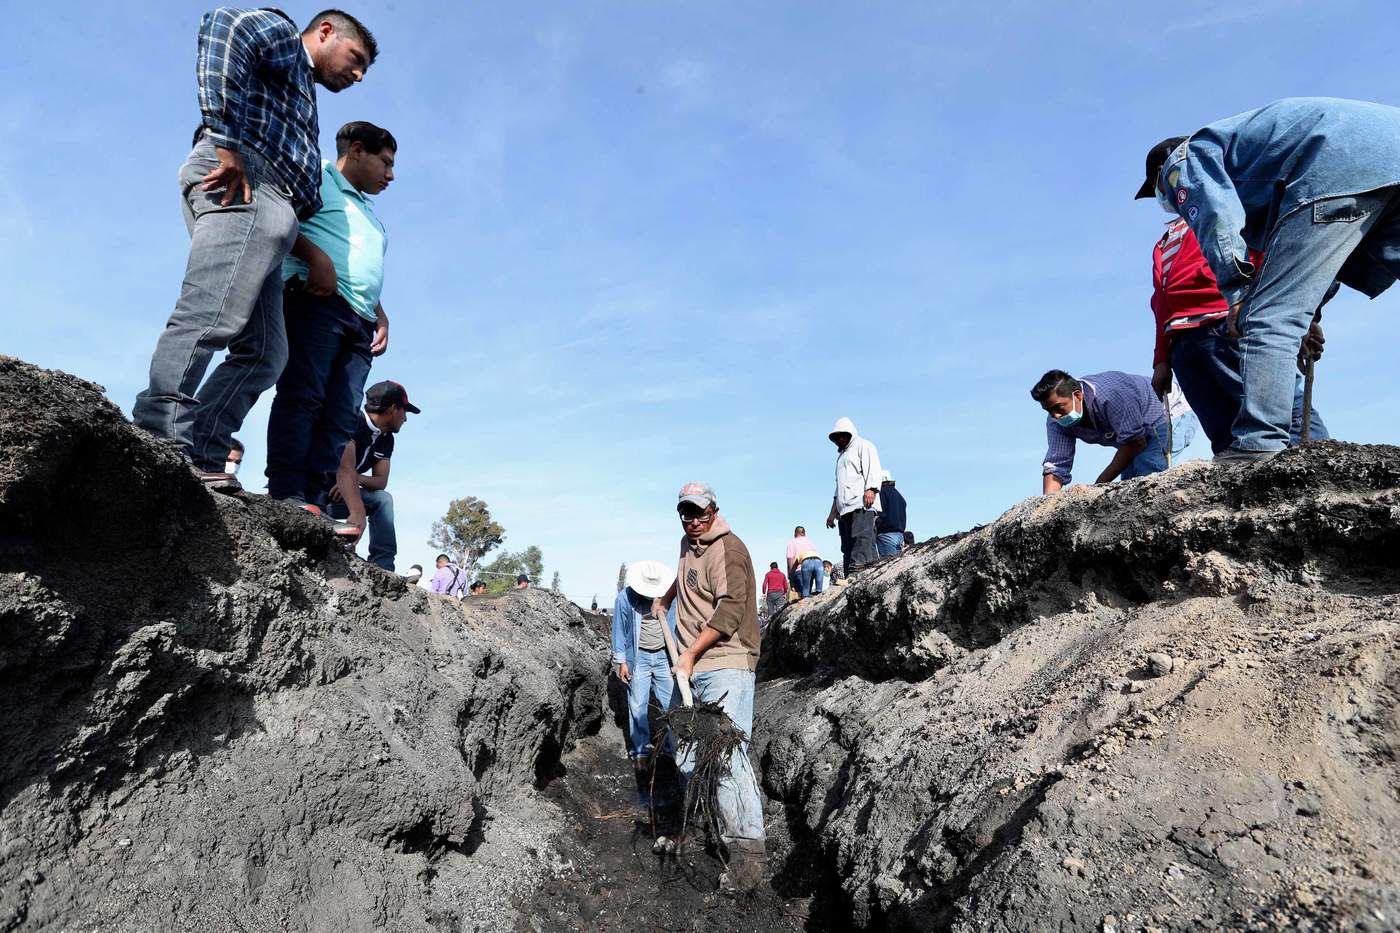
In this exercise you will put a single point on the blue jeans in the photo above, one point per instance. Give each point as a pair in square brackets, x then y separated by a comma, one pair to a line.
[379, 512]
[1305, 252]
[652, 673]
[889, 542]
[740, 806]
[231, 300]
[811, 577]
[317, 406]
[1206, 363]
[1153, 458]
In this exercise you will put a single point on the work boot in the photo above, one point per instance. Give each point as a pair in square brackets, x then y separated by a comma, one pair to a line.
[1237, 455]
[747, 866]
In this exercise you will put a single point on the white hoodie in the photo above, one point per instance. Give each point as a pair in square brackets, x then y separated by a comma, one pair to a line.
[857, 469]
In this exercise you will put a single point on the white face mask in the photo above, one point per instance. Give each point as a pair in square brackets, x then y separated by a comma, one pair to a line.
[231, 467]
[1165, 202]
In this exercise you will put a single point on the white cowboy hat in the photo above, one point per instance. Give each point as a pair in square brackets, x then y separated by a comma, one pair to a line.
[649, 578]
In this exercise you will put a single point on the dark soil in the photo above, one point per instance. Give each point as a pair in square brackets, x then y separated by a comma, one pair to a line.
[616, 883]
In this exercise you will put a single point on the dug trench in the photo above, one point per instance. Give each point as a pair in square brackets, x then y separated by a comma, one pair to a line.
[1170, 704]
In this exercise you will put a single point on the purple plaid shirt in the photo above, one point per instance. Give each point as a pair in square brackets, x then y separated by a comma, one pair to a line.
[1118, 408]
[257, 91]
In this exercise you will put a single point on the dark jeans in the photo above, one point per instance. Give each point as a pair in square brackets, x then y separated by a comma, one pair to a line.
[379, 512]
[317, 406]
[857, 538]
[1206, 363]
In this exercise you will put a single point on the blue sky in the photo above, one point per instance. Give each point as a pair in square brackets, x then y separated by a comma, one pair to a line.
[635, 244]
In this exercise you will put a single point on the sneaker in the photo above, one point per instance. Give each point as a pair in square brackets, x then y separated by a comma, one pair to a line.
[1238, 455]
[217, 481]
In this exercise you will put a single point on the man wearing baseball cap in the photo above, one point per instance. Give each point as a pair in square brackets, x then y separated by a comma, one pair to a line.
[1314, 184]
[360, 493]
[639, 657]
[717, 628]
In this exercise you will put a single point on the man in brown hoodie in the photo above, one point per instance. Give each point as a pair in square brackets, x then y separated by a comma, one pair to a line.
[717, 627]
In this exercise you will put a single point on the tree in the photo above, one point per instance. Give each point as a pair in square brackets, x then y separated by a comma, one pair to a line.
[500, 574]
[466, 533]
[554, 584]
[622, 578]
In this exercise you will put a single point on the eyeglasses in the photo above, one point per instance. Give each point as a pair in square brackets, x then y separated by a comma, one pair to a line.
[691, 518]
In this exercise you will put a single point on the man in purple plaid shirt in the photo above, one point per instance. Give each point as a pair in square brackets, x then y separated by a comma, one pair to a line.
[254, 170]
[1111, 409]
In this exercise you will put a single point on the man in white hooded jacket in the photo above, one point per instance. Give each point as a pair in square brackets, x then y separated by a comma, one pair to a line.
[857, 496]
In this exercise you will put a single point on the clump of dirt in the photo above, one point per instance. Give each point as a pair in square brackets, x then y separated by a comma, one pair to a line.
[1167, 704]
[215, 718]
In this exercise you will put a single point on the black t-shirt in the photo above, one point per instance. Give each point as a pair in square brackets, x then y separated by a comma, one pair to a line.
[370, 449]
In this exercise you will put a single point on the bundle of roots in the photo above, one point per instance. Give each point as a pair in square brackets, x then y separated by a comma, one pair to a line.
[705, 734]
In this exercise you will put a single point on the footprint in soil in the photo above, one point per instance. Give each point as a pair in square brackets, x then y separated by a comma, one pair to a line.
[617, 882]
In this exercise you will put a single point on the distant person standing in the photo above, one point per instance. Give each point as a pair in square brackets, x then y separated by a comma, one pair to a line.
[335, 322]
[804, 564]
[889, 526]
[857, 498]
[254, 171]
[718, 635]
[775, 586]
[448, 579]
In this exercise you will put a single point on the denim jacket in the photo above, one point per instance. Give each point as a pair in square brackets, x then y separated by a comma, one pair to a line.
[627, 625]
[1234, 180]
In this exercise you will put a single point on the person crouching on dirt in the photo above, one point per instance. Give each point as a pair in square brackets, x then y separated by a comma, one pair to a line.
[639, 658]
[717, 627]
[1111, 409]
[361, 488]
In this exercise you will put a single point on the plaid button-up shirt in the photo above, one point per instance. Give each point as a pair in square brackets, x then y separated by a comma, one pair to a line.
[257, 92]
[1118, 408]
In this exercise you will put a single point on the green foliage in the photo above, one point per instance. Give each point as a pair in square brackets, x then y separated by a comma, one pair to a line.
[554, 584]
[466, 533]
[621, 578]
[500, 574]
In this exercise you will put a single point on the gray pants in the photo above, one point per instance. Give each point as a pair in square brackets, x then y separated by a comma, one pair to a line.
[231, 299]
[857, 531]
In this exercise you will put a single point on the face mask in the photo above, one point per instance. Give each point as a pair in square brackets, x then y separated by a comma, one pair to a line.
[231, 467]
[1069, 419]
[1165, 202]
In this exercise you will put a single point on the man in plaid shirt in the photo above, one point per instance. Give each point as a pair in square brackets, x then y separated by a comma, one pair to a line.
[254, 170]
[1111, 409]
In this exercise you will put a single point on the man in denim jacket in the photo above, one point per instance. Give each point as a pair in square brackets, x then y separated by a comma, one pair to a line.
[639, 657]
[1311, 182]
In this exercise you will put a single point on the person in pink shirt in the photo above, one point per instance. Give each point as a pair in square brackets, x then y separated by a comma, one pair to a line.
[804, 564]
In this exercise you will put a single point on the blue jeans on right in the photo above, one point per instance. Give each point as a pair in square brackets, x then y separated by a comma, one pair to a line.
[231, 300]
[1305, 252]
[379, 514]
[317, 406]
[740, 806]
[1153, 458]
[889, 542]
[1206, 363]
[811, 577]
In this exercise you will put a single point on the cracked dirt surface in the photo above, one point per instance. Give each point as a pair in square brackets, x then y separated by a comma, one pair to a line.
[215, 719]
[973, 737]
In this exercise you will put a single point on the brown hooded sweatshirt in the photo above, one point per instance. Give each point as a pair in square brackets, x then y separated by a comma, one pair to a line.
[715, 587]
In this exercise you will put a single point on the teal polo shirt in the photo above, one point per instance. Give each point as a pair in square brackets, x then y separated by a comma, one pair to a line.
[346, 229]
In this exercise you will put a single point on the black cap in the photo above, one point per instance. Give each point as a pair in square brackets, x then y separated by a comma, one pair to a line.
[522, 579]
[387, 394]
[1156, 158]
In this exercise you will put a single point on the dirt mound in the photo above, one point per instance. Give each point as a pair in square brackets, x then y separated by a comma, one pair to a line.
[1169, 704]
[216, 719]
